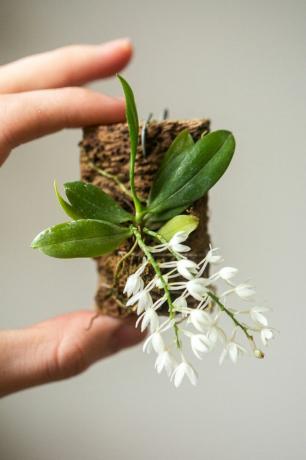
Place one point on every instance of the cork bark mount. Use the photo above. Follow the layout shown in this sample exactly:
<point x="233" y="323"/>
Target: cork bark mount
<point x="107" y="148"/>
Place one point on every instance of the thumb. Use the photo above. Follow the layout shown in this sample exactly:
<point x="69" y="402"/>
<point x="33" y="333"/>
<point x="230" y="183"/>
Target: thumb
<point x="60" y="348"/>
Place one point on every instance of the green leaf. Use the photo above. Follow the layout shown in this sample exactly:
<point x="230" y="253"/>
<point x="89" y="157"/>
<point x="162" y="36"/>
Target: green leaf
<point x="181" y="145"/>
<point x="182" y="142"/>
<point x="80" y="238"/>
<point x="90" y="202"/>
<point x="131" y="114"/>
<point x="65" y="205"/>
<point x="184" y="223"/>
<point x="195" y="173"/>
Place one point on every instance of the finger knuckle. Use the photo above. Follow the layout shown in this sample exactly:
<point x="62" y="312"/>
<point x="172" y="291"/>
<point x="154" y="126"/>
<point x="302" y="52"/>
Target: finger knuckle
<point x="69" y="359"/>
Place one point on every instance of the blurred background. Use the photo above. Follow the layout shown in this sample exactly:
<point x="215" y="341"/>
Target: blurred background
<point x="242" y="64"/>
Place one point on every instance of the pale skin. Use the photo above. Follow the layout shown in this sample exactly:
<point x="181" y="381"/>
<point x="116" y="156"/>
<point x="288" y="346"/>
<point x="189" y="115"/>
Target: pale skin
<point x="40" y="95"/>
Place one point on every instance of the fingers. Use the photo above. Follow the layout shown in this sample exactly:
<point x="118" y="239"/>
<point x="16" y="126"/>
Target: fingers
<point x="69" y="66"/>
<point x="33" y="114"/>
<point x="60" y="348"/>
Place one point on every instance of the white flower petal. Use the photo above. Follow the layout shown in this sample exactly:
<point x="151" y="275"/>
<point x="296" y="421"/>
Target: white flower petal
<point x="157" y="342"/>
<point x="150" y="317"/>
<point x="180" y="247"/>
<point x="133" y="285"/>
<point x="179" y="237"/>
<point x="223" y="355"/>
<point x="200" y="319"/>
<point x="197" y="288"/>
<point x="245" y="291"/>
<point x="191" y="374"/>
<point x="257" y="316"/>
<point x="181" y="370"/>
<point x="233" y="352"/>
<point x="187" y="268"/>
<point x="227" y="273"/>
<point x="199" y="343"/>
<point x="213" y="258"/>
<point x="260" y="318"/>
<point x="178" y="374"/>
<point x="180" y="303"/>
<point x="266" y="334"/>
<point x="147" y="346"/>
<point x="165" y="361"/>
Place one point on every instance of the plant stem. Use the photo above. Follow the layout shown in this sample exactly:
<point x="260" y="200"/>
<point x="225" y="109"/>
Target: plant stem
<point x="137" y="203"/>
<point x="158" y="272"/>
<point x="232" y="316"/>
<point x="113" y="178"/>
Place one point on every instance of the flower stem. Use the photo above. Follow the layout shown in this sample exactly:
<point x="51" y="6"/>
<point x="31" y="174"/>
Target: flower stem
<point x="164" y="284"/>
<point x="232" y="316"/>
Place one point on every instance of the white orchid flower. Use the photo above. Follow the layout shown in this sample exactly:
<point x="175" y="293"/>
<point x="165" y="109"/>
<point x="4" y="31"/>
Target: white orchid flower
<point x="133" y="285"/>
<point x="148" y="317"/>
<point x="184" y="368"/>
<point x="266" y="335"/>
<point x="197" y="288"/>
<point x="143" y="299"/>
<point x="200" y="344"/>
<point x="187" y="268"/>
<point x="166" y="361"/>
<point x="233" y="350"/>
<point x="245" y="291"/>
<point x="154" y="342"/>
<point x="227" y="273"/>
<point x="256" y="313"/>
<point x="176" y="240"/>
<point x="213" y="258"/>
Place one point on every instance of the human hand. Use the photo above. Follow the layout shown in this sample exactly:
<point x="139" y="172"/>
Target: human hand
<point x="40" y="95"/>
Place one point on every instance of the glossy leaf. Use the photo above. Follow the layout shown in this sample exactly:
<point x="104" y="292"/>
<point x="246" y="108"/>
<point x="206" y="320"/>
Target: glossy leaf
<point x="194" y="174"/>
<point x="182" y="142"/>
<point x="90" y="202"/>
<point x="179" y="147"/>
<point x="80" y="238"/>
<point x="65" y="205"/>
<point x="131" y="114"/>
<point x="183" y="223"/>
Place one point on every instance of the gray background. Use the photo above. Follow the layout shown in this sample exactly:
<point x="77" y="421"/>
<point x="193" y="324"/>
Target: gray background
<point x="242" y="63"/>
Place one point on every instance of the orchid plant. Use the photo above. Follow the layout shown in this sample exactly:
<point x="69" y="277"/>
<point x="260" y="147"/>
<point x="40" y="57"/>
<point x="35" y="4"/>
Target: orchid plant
<point x="196" y="314"/>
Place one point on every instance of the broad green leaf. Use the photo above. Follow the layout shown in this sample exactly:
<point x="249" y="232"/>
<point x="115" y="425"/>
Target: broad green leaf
<point x="195" y="173"/>
<point x="179" y="147"/>
<point x="183" y="223"/>
<point x="181" y="143"/>
<point x="90" y="202"/>
<point x="65" y="205"/>
<point x="131" y="115"/>
<point x="80" y="238"/>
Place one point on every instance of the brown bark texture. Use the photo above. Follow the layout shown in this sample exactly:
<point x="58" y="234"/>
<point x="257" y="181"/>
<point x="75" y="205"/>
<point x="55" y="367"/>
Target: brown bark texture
<point x="107" y="148"/>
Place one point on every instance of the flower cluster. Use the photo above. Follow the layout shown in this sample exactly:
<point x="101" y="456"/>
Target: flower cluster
<point x="195" y="311"/>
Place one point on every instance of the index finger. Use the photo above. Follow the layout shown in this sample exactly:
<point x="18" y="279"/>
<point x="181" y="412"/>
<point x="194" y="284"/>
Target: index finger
<point x="69" y="66"/>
